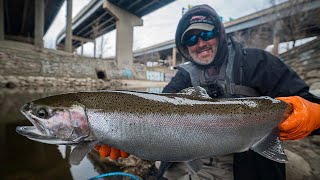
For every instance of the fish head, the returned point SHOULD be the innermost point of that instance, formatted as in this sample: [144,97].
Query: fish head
[56,120]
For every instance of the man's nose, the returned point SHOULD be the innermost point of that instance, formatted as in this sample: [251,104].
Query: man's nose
[201,42]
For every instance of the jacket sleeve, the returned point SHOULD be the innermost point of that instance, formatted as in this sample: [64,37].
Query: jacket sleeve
[180,81]
[272,77]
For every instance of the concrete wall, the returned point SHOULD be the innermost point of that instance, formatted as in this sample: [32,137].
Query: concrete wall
[24,60]
[305,60]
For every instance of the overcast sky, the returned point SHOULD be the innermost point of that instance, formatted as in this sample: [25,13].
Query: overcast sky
[160,25]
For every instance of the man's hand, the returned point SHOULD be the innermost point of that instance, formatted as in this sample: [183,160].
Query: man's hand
[113,153]
[304,119]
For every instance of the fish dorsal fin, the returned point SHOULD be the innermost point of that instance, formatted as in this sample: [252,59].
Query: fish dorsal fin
[196,91]
[271,147]
[80,151]
[194,165]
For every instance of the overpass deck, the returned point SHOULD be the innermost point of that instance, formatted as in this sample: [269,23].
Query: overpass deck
[267,19]
[19,21]
[94,21]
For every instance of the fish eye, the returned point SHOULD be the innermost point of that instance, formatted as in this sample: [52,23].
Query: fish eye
[42,113]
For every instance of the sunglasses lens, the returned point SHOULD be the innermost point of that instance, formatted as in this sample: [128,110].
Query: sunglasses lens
[191,40]
[206,35]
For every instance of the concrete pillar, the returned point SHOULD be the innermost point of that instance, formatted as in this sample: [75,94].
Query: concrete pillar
[39,23]
[125,22]
[81,48]
[174,56]
[276,42]
[94,48]
[68,39]
[101,47]
[1,20]
[276,37]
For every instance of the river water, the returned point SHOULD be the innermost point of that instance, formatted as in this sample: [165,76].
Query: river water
[22,158]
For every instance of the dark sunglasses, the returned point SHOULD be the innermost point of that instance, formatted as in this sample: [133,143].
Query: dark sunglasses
[192,40]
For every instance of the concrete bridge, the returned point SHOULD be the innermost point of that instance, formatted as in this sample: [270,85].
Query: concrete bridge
[102,16]
[288,21]
[28,20]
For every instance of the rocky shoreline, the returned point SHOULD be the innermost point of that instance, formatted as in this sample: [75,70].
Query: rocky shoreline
[40,81]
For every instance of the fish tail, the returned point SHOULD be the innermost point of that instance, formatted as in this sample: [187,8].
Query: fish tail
[271,147]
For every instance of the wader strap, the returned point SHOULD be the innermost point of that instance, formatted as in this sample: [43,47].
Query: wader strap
[241,90]
[229,67]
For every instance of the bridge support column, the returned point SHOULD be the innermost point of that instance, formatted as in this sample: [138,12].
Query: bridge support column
[39,23]
[1,20]
[276,37]
[174,56]
[276,42]
[68,39]
[125,22]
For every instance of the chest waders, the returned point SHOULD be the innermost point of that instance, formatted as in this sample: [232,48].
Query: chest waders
[221,85]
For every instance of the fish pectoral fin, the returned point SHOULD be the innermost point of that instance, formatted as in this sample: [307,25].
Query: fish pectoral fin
[80,151]
[194,165]
[271,147]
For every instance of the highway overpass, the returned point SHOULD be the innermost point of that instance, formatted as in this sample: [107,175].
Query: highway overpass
[102,16]
[288,21]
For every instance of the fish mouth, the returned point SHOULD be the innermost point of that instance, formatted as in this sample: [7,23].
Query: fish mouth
[25,110]
[37,132]
[33,133]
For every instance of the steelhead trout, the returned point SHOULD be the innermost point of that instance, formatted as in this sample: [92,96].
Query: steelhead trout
[180,127]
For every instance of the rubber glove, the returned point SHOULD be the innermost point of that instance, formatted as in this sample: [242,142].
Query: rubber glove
[113,153]
[304,119]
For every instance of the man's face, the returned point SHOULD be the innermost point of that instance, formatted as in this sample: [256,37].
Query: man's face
[204,51]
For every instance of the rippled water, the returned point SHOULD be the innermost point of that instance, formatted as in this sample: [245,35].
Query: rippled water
[22,158]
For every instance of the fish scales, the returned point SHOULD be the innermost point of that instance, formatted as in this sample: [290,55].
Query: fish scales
[173,128]
[118,101]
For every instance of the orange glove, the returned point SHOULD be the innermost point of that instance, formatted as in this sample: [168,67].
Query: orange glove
[304,119]
[113,153]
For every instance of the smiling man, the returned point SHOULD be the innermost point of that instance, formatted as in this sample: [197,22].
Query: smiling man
[227,70]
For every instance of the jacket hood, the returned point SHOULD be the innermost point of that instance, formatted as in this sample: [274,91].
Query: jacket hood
[184,23]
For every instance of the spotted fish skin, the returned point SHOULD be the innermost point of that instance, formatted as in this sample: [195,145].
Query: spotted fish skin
[176,127]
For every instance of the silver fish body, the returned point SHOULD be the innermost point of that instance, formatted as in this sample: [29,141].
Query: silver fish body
[170,127]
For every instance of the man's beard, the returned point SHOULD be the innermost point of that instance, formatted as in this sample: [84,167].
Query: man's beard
[207,60]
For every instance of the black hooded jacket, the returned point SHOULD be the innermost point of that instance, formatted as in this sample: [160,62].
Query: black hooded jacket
[254,68]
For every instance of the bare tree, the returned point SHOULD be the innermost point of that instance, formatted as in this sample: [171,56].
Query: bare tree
[104,46]
[296,23]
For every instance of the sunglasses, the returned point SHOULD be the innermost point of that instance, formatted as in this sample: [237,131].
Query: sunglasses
[192,40]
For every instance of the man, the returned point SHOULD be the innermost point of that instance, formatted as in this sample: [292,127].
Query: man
[226,69]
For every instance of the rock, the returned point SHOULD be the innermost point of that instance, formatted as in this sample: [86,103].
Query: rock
[10,85]
[315,85]
[313,73]
[297,168]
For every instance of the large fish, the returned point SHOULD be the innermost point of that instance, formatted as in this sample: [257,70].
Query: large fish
[168,127]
